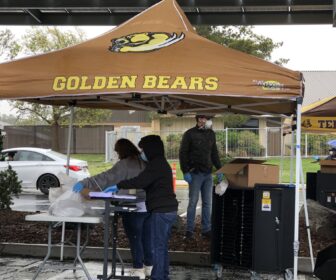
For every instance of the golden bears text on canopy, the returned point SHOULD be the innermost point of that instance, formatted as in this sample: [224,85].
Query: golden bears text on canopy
[82,83]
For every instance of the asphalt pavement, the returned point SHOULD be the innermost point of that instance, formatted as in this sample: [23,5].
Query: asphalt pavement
[18,268]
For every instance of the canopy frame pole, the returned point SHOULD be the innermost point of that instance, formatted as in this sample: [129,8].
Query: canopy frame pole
[282,149]
[240,107]
[69,138]
[307,219]
[292,151]
[67,171]
[296,243]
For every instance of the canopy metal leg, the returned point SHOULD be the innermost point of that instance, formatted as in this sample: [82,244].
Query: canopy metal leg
[292,156]
[307,220]
[297,186]
[67,172]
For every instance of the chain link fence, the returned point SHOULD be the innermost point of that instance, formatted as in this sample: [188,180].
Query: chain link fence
[243,142]
[233,142]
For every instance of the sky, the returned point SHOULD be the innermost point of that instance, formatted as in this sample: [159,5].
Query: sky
[308,47]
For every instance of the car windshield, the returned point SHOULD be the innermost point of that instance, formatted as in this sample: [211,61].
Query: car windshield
[62,156]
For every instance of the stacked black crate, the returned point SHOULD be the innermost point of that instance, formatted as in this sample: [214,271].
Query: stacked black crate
[254,228]
[273,227]
[233,228]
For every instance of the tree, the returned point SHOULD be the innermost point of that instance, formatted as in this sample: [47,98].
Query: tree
[241,38]
[10,119]
[233,120]
[9,48]
[41,40]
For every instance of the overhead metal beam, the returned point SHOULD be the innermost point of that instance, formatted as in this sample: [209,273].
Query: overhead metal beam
[208,12]
[31,4]
[334,13]
[35,14]
[324,17]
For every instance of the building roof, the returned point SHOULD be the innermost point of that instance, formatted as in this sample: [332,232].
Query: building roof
[318,85]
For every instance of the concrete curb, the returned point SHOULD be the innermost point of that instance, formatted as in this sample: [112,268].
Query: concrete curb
[96,253]
[181,184]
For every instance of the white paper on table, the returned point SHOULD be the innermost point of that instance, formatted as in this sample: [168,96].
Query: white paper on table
[110,195]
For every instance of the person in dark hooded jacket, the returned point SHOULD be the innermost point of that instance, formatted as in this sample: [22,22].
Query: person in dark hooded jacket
[156,180]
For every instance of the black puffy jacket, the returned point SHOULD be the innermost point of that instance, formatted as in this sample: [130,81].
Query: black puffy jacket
[156,179]
[198,151]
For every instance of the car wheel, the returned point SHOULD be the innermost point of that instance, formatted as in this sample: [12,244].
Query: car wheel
[47,181]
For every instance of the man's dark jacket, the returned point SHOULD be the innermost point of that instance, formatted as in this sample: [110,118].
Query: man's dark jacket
[156,179]
[198,151]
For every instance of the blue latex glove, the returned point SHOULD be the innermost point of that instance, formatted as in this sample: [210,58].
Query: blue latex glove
[112,189]
[220,177]
[78,187]
[187,177]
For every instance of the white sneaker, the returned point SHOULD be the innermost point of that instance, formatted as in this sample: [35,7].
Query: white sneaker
[140,272]
[148,270]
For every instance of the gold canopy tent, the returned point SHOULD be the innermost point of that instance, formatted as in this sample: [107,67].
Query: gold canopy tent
[154,61]
[157,62]
[320,117]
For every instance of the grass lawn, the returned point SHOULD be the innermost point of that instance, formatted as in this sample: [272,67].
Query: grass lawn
[96,162]
[308,165]
[97,165]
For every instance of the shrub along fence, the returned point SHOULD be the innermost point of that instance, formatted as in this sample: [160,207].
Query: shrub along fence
[254,142]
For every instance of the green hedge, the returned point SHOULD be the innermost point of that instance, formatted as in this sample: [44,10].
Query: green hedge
[9,186]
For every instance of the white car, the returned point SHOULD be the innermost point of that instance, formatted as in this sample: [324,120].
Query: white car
[42,168]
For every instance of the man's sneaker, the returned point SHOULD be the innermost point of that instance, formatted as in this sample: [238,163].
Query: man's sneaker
[140,272]
[206,235]
[148,270]
[189,235]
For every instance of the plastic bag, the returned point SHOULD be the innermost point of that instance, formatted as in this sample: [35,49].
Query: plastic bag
[66,203]
[220,188]
[69,204]
[66,184]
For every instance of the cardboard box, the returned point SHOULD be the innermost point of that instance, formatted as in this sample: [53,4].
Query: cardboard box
[245,173]
[328,166]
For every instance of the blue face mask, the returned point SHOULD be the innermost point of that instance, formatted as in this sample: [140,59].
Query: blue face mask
[143,156]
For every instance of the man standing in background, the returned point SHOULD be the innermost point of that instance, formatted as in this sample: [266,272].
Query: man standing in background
[198,154]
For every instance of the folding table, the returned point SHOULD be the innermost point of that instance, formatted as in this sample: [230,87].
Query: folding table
[45,217]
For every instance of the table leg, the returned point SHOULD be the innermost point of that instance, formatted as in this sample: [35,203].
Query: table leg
[62,241]
[122,263]
[48,253]
[106,237]
[114,242]
[78,252]
[84,245]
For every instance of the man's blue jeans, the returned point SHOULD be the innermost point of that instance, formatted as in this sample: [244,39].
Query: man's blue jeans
[201,182]
[161,226]
[138,229]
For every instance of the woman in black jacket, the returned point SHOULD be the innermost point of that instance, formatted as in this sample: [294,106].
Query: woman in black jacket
[156,180]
